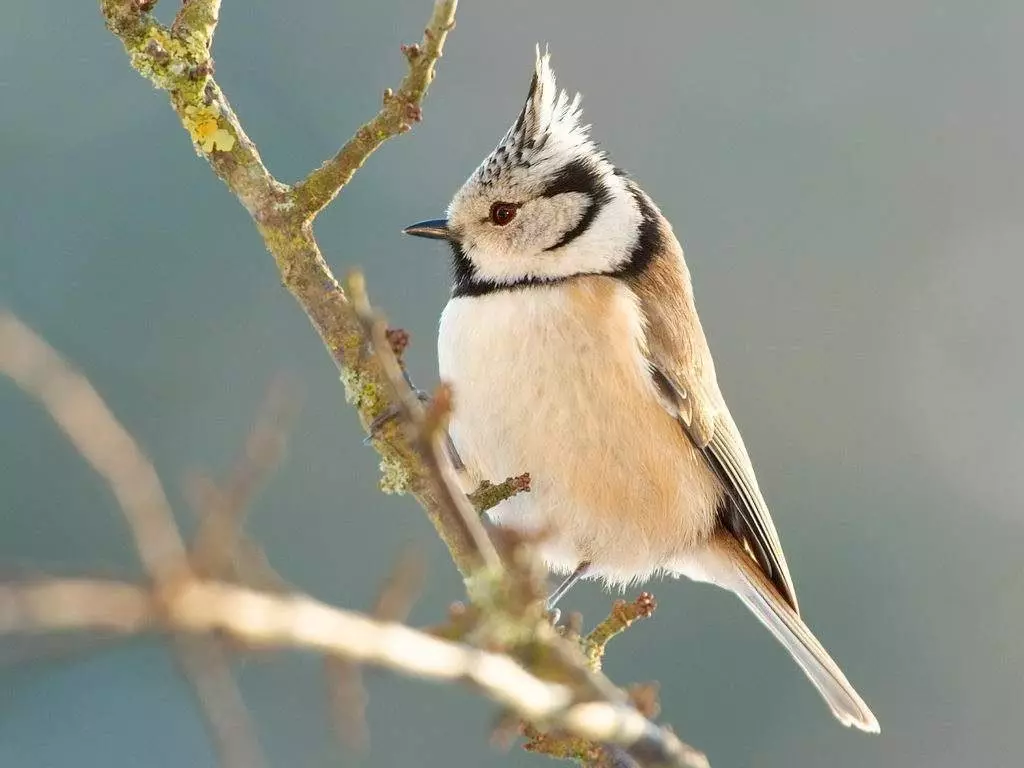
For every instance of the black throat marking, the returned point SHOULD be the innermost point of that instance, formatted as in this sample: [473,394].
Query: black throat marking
[649,243]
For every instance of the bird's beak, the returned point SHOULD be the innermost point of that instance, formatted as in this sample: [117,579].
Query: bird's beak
[435,229]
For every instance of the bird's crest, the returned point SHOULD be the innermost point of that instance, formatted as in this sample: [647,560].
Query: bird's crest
[548,129]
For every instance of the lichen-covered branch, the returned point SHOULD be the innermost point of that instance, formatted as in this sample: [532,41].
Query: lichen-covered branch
[197,19]
[620,619]
[489,495]
[425,428]
[178,60]
[300,622]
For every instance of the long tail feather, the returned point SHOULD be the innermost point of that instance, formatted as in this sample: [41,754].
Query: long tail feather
[743,577]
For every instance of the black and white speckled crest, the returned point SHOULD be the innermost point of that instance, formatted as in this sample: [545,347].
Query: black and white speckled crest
[548,132]
[576,213]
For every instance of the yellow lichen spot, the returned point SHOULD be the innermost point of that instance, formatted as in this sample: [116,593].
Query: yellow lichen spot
[203,124]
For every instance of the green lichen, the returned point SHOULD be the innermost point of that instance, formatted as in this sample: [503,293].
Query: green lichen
[362,392]
[395,477]
[179,62]
[488,495]
[165,59]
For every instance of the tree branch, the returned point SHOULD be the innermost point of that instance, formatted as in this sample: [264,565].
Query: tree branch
[300,622]
[93,429]
[205,664]
[178,61]
[198,19]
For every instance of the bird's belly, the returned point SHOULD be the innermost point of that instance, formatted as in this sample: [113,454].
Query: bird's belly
[555,386]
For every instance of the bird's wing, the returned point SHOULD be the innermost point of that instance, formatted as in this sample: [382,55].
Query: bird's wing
[743,512]
[684,377]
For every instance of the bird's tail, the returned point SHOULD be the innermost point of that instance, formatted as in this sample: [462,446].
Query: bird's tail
[743,577]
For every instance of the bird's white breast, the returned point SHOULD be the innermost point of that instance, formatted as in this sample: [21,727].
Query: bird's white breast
[553,381]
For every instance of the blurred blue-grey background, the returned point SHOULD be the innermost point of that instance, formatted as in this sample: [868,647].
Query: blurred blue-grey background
[846,179]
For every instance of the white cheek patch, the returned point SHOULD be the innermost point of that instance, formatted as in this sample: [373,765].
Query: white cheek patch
[516,252]
[546,219]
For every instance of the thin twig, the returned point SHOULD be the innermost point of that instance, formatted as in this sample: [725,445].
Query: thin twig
[401,588]
[489,495]
[92,428]
[346,693]
[399,111]
[223,506]
[621,617]
[208,668]
[346,699]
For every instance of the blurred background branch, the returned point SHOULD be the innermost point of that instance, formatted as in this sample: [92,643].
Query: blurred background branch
[197,610]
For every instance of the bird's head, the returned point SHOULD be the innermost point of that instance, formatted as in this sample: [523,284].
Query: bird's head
[546,204]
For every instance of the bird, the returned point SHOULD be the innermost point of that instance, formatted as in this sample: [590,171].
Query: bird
[574,351]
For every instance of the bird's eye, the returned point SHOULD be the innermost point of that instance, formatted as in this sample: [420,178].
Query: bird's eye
[503,213]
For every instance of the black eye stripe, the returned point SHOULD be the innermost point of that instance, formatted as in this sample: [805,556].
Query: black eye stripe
[583,178]
[578,176]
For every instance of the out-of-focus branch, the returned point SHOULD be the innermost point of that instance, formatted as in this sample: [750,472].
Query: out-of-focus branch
[300,622]
[64,605]
[93,429]
[346,693]
[206,665]
[223,505]
[400,110]
[96,433]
